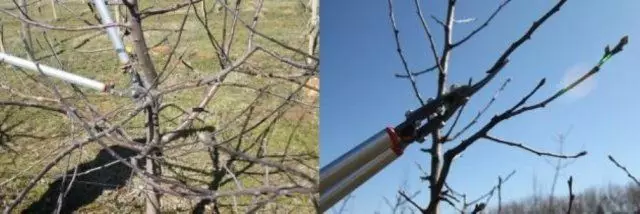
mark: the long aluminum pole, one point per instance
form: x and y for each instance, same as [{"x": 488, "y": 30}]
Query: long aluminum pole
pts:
[
  {"x": 353, "y": 159},
  {"x": 53, "y": 72},
  {"x": 355, "y": 179},
  {"x": 353, "y": 168}
]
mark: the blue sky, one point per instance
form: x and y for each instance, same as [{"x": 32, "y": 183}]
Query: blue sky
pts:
[{"x": 360, "y": 94}]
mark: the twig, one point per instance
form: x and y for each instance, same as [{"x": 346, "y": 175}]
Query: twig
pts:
[
  {"x": 42, "y": 172},
  {"x": 624, "y": 169},
  {"x": 406, "y": 197},
  {"x": 175, "y": 46},
  {"x": 490, "y": 193},
  {"x": 500, "y": 194},
  {"x": 234, "y": 24},
  {"x": 253, "y": 30},
  {"x": 571, "y": 195},
  {"x": 480, "y": 113},
  {"x": 418, "y": 73},
  {"x": 521, "y": 146},
  {"x": 525, "y": 37},
  {"x": 485, "y": 24},
  {"x": 623, "y": 41},
  {"x": 31, "y": 105},
  {"x": 206, "y": 138},
  {"x": 52, "y": 27},
  {"x": 259, "y": 204},
  {"x": 425, "y": 27},
  {"x": 399, "y": 50},
  {"x": 344, "y": 203},
  {"x": 223, "y": 58},
  {"x": 478, "y": 208},
  {"x": 151, "y": 12},
  {"x": 456, "y": 44},
  {"x": 217, "y": 78},
  {"x": 438, "y": 21}
]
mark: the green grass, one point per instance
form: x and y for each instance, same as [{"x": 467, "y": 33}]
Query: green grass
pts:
[{"x": 285, "y": 21}]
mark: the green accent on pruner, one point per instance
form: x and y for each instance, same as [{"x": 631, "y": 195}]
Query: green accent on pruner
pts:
[
  {"x": 605, "y": 59},
  {"x": 563, "y": 90}
]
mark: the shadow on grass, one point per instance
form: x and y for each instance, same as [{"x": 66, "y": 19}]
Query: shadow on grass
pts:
[
  {"x": 10, "y": 130},
  {"x": 91, "y": 180}
]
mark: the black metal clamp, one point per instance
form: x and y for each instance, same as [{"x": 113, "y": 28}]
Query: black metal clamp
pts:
[{"x": 436, "y": 112}]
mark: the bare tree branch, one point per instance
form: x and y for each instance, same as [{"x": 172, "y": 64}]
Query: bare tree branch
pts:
[
  {"x": 571, "y": 195},
  {"x": 432, "y": 45},
  {"x": 399, "y": 50},
  {"x": 490, "y": 193},
  {"x": 485, "y": 24},
  {"x": 521, "y": 146},
  {"x": 151, "y": 12},
  {"x": 31, "y": 105},
  {"x": 407, "y": 198},
  {"x": 52, "y": 27},
  {"x": 634, "y": 179},
  {"x": 480, "y": 113}
]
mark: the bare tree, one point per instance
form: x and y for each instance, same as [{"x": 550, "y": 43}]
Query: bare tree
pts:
[
  {"x": 558, "y": 166},
  {"x": 457, "y": 95},
  {"x": 205, "y": 110},
  {"x": 342, "y": 208},
  {"x": 603, "y": 199},
  {"x": 403, "y": 201}
]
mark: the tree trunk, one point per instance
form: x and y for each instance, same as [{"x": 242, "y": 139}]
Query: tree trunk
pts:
[{"x": 148, "y": 79}]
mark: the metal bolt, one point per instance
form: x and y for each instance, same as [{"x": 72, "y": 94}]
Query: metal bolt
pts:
[{"x": 408, "y": 113}]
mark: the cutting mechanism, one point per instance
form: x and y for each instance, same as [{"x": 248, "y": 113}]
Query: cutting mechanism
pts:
[{"x": 353, "y": 168}]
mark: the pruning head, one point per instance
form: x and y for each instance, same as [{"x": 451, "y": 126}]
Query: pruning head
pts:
[
  {"x": 436, "y": 111},
  {"x": 457, "y": 96}
]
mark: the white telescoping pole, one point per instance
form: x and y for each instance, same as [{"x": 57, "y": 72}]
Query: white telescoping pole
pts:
[
  {"x": 112, "y": 31},
  {"x": 53, "y": 72}
]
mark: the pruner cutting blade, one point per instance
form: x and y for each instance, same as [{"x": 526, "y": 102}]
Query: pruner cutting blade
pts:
[{"x": 436, "y": 112}]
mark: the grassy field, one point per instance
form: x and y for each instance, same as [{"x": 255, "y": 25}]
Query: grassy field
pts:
[{"x": 31, "y": 137}]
